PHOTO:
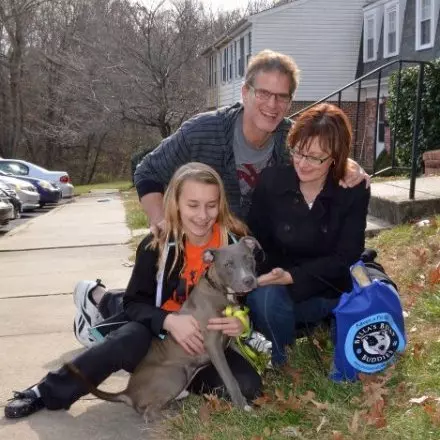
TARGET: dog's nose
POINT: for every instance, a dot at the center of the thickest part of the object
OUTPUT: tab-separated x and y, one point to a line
249	281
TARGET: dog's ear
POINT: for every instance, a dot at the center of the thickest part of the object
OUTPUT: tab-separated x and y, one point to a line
250	242
209	255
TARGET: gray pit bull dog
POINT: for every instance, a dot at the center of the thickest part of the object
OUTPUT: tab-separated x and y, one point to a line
167	369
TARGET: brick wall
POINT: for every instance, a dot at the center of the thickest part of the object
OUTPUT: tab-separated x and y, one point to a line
350	108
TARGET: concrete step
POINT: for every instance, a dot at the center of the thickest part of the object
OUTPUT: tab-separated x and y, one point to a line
376	225
390	200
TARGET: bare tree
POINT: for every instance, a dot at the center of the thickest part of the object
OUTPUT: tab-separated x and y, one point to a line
15	18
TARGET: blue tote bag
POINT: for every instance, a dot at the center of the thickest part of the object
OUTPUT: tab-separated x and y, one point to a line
370	329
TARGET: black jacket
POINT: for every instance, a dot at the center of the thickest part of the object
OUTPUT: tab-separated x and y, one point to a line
140	296
318	245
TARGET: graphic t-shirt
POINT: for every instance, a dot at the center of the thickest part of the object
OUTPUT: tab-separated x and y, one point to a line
249	161
192	271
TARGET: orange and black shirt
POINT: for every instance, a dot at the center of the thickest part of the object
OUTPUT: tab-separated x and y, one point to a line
192	271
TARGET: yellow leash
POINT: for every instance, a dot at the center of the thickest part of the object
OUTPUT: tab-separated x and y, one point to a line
257	359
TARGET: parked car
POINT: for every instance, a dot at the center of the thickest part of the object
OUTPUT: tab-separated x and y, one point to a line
23	168
49	193
13	198
6	210
27	192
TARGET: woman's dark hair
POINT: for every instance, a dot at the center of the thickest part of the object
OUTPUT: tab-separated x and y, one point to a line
333	129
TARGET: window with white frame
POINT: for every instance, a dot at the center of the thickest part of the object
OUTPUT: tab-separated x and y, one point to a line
424	24
235	60
230	62
370	37
225	65
249	46
391	30
241	58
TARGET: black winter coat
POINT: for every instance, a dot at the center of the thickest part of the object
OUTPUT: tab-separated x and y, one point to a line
316	246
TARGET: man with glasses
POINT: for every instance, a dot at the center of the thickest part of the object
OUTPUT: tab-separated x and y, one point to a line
238	141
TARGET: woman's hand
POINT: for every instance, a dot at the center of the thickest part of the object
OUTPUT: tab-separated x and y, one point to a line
230	326
186	331
354	175
275	276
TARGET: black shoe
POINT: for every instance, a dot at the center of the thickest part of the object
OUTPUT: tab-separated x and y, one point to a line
23	404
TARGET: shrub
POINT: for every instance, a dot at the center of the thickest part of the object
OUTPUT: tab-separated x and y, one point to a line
402	119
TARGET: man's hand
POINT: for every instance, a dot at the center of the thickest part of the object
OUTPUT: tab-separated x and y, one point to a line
157	228
275	276
230	326
186	331
354	175
152	204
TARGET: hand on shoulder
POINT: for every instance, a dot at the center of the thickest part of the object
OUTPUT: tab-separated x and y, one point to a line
354	175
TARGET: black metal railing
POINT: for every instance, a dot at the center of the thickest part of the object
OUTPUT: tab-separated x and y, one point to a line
359	147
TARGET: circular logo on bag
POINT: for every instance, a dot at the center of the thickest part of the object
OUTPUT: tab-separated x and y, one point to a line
372	343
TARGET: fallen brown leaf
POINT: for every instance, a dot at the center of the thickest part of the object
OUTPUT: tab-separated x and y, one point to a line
307	397
434	275
418	349
321	424
337	435
433	412
279	394
421	254
205	413
321	406
317	344
295	375
262	400
354	425
291	403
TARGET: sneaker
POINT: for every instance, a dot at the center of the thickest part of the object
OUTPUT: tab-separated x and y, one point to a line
87	313
23	404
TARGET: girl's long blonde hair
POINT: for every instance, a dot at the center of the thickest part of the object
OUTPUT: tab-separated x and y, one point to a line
202	173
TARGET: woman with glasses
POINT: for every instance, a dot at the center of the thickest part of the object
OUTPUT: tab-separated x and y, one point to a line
311	229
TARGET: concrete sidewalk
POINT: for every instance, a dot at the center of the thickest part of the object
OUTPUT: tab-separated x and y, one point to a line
40	263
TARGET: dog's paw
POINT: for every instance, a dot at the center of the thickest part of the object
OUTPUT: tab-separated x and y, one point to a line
247	408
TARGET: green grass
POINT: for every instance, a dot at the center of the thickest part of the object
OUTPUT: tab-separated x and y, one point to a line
122	185
135	216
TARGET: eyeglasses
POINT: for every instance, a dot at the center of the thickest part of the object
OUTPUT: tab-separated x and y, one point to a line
311	160
265	95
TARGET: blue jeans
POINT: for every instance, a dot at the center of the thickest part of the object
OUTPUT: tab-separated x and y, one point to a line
275	314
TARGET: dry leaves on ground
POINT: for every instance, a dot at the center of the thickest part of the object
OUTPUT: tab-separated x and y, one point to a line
434	275
212	404
373	389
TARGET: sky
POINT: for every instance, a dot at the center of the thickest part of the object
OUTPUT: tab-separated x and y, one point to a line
225	5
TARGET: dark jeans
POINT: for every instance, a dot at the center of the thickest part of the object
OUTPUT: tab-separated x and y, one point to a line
275	314
123	349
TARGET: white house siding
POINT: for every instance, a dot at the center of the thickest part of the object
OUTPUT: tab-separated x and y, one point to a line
229	92
322	36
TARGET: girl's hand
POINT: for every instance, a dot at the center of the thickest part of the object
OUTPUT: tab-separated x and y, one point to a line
275	276
186	331
230	326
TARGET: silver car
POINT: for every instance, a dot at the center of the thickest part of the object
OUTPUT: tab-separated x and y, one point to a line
6	210
28	194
